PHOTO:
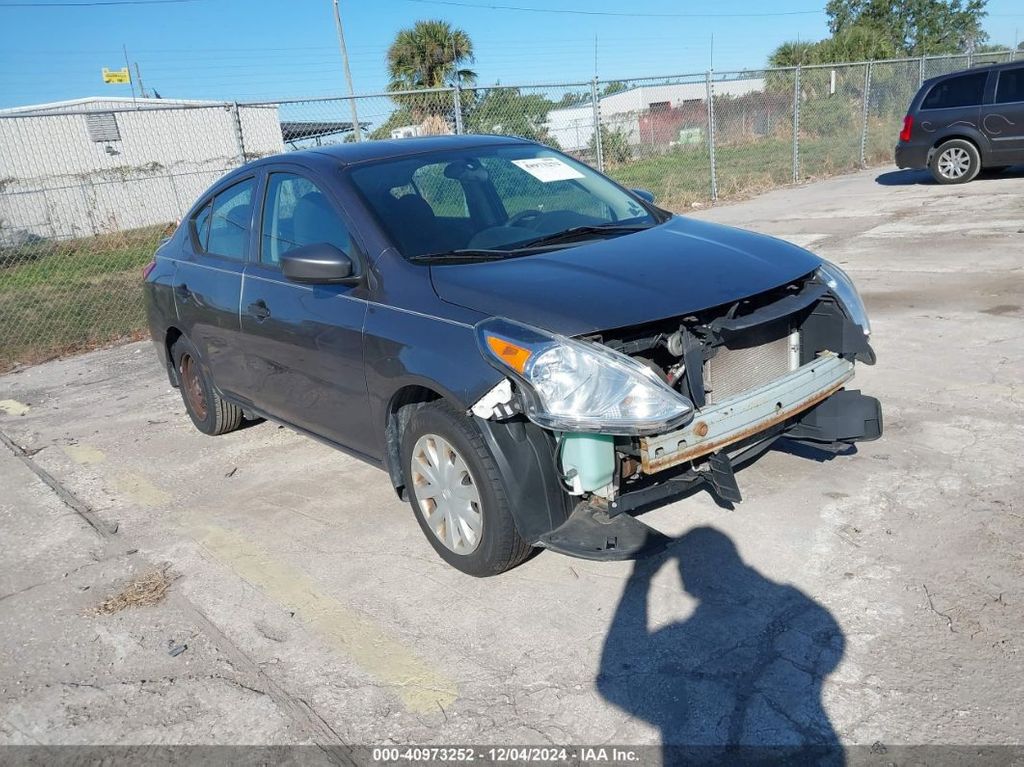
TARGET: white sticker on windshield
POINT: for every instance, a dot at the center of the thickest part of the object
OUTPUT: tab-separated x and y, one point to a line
548	169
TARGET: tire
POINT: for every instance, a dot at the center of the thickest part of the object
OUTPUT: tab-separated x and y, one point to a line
207	409
439	432
955	162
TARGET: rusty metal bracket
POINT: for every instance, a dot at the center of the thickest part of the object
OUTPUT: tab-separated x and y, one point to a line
747	414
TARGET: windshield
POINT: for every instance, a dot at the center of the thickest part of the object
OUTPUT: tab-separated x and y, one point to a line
493	198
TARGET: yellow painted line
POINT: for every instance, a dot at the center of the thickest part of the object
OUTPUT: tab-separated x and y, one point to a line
139	489
418	684
13	407
87	455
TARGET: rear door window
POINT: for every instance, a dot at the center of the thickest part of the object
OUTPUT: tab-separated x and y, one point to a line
1010	88
962	91
222	228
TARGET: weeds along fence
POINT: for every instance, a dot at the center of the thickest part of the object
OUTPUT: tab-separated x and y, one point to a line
88	188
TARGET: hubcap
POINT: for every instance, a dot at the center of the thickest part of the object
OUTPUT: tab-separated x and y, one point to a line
954	162
192	386
446	494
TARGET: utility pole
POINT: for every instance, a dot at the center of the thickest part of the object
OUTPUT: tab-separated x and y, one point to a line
128	66
142	88
348	72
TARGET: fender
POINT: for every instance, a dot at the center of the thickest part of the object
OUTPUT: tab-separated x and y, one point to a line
963	130
524	454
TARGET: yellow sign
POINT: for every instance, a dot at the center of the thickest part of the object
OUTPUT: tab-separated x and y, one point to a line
116	75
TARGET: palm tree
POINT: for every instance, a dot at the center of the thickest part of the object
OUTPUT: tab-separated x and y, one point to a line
430	55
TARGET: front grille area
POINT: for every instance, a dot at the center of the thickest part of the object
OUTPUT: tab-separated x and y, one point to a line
734	371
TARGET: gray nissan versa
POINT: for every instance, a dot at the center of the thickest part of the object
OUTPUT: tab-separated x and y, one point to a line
531	352
965	122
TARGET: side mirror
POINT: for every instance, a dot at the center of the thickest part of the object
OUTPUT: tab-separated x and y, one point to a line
319	263
643	194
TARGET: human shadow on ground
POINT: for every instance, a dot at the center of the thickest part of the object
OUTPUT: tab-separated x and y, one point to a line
737	682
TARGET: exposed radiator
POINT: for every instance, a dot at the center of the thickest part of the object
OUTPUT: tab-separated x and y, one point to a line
734	371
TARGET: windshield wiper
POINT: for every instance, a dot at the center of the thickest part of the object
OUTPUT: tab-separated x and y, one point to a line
568	235
460	255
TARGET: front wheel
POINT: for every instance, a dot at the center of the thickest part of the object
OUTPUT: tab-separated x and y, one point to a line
457	494
955	162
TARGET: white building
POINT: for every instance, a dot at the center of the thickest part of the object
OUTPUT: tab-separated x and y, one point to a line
97	165
573	127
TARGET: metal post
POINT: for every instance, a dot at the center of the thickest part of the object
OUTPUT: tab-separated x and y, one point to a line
239	136
356	127
598	148
867	110
796	125
920	73
131	81
710	90
458	110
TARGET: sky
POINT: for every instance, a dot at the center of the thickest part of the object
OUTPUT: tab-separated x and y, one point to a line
52	50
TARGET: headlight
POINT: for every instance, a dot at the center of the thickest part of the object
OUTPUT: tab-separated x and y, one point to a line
839	282
576	386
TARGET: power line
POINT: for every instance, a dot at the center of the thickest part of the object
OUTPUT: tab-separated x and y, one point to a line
93	3
576	11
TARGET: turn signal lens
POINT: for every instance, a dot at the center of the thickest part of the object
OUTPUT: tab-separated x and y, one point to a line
147	269
512	355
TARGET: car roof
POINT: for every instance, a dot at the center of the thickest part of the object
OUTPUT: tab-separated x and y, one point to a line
969	70
366	151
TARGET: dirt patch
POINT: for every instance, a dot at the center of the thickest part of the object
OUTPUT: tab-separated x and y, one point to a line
1002	309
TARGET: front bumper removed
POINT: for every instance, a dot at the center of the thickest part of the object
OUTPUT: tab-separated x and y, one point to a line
722	424
808	405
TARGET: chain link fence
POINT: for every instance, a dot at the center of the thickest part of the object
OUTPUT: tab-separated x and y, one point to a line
88	188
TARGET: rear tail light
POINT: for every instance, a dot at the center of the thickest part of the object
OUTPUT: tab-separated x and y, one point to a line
908	124
147	269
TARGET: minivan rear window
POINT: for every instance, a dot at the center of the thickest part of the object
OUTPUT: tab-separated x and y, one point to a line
962	91
1011	86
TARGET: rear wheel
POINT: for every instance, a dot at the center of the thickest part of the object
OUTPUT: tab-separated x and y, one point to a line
457	494
210	413
955	162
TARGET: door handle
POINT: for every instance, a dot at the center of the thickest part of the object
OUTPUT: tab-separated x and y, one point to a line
259	310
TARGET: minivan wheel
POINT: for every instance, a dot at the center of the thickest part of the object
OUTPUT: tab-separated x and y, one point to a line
955	162
207	409
457	494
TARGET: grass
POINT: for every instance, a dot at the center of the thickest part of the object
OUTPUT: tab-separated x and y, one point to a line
60	297
145	591
682	176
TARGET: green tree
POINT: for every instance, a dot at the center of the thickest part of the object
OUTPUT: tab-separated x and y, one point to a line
431	54
793	53
400	117
614	87
614	146
914	27
855	43
510	111
573	99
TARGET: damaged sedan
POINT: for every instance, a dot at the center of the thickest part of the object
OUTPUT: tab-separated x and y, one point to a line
532	353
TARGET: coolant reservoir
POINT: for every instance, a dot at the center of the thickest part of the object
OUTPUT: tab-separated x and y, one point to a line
588	461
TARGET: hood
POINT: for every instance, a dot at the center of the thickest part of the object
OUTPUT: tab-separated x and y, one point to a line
675	268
